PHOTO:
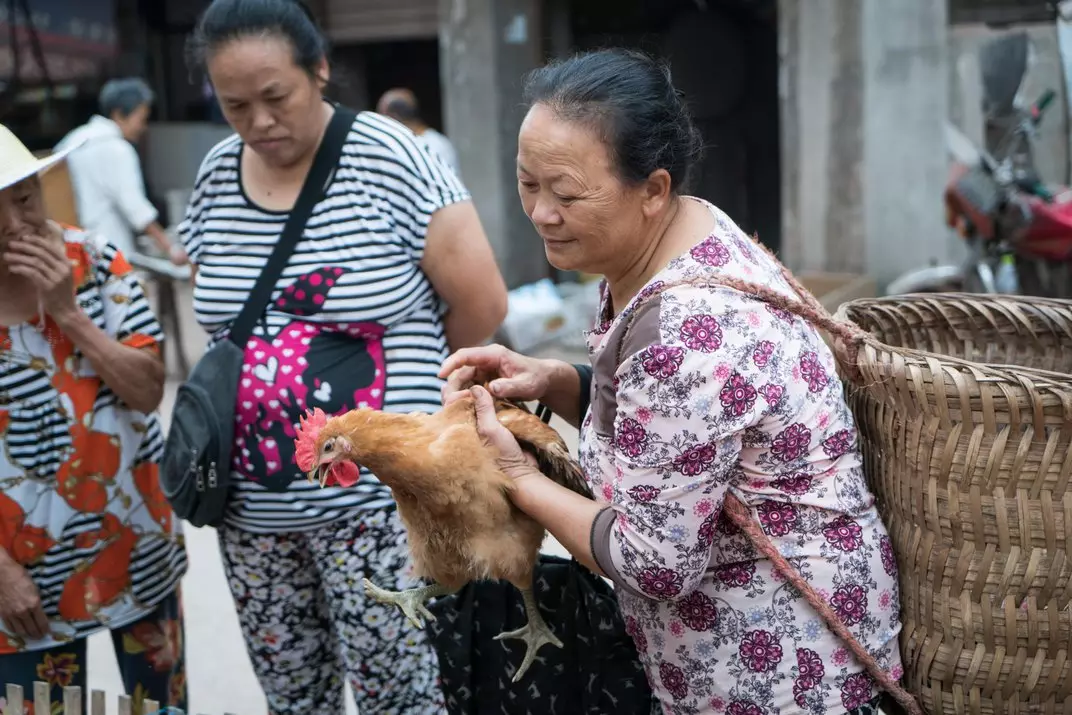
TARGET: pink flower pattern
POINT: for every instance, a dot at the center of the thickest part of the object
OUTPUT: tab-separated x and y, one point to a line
733	393
737	396
760	651
662	363
701	333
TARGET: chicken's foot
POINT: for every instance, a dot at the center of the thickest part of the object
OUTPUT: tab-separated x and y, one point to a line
534	634
411	601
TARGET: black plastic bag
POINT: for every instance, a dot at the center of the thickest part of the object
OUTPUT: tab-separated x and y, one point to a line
597	671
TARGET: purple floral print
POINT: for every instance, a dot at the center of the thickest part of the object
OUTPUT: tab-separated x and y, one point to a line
839	444
791	444
809	667
711	252
850	603
632	438
742	707
762	354
777	518
844	534
695	461
644	492
673	679
706	532
889	560
701	333
795	484
813	373
739	574
698	611
760	651
662	363
737	396
660	582
856	691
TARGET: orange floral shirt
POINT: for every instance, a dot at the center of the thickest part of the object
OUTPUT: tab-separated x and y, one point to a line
80	500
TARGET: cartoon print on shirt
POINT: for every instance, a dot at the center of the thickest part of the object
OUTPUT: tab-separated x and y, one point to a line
302	365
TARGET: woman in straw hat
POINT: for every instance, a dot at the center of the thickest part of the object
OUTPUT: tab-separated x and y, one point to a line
87	540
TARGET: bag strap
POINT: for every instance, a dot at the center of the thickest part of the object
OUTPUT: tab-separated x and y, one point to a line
316	183
853	338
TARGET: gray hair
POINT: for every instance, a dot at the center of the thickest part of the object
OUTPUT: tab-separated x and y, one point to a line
124	95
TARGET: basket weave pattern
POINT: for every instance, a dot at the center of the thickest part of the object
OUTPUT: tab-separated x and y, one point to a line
971	461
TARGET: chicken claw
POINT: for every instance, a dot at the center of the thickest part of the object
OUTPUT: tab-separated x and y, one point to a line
535	634
410	602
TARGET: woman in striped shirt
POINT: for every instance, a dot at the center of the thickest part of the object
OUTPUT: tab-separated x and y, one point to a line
87	539
380	285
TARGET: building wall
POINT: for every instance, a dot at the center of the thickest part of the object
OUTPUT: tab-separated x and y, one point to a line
864	93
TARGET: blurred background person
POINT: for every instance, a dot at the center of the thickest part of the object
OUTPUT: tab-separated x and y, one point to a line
106	171
401	105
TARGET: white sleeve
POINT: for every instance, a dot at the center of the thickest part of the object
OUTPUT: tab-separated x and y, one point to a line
126	187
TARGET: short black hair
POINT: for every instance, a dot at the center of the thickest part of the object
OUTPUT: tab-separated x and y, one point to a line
629	98
403	109
227	20
124	96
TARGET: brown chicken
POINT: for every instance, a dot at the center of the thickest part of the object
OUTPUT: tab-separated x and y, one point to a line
451	495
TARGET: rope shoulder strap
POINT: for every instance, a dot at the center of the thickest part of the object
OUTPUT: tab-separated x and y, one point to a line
852	338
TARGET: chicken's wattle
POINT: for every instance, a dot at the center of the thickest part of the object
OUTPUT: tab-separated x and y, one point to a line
343	474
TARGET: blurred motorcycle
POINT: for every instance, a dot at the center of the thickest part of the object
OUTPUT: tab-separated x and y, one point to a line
1018	230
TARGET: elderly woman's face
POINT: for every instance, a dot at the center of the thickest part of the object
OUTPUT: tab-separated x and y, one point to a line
22	213
267	98
587	217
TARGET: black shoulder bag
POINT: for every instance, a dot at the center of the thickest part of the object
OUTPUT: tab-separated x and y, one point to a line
196	467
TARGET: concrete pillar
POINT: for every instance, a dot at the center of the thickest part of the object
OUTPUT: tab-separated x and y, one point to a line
906	103
486	48
864	92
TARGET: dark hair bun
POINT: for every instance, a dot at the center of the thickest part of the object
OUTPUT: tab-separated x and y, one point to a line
226	20
630	98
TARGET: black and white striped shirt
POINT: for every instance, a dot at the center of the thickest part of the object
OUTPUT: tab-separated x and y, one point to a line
353	319
80	501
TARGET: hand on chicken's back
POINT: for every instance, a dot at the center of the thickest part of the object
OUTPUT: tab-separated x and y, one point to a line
508	375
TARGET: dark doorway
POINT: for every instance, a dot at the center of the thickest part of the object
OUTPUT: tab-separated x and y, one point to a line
413	64
724	58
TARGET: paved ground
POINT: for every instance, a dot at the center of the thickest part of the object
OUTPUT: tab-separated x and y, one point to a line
220	677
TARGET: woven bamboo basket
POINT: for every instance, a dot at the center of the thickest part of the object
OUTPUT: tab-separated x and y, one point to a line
964	405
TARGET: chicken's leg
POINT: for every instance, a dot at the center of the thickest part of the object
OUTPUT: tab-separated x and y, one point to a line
534	634
410	601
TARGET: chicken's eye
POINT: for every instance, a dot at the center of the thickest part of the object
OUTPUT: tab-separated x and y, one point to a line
329	445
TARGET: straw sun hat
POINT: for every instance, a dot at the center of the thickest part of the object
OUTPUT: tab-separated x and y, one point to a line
18	163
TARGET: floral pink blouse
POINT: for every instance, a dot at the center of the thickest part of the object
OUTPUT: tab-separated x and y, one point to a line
712	391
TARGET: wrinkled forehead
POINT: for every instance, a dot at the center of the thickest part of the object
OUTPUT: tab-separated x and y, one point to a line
549	144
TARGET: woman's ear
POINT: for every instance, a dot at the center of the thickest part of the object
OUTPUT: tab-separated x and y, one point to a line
323	74
656	192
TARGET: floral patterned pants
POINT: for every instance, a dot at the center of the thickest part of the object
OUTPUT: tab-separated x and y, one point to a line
149	651
307	621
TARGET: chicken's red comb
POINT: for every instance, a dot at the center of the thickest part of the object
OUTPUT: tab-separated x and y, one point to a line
305	443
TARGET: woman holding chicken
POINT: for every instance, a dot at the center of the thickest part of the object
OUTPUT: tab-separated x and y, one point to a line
700	397
377	287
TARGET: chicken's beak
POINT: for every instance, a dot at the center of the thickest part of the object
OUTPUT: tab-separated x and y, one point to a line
339	448
320	471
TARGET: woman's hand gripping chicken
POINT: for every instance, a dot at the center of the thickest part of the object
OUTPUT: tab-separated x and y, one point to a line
451	492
